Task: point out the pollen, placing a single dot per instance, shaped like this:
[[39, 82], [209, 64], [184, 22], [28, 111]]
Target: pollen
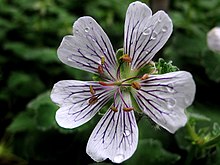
[[93, 100], [128, 109], [114, 109], [126, 58], [92, 91], [136, 85]]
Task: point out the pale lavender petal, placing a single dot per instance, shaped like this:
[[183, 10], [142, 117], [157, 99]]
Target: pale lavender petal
[[144, 34], [165, 97], [115, 136], [87, 48], [74, 98]]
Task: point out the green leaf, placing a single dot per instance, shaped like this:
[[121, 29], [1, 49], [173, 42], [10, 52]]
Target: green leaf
[[41, 54], [22, 122], [45, 111], [23, 84], [211, 61], [151, 152], [196, 116]]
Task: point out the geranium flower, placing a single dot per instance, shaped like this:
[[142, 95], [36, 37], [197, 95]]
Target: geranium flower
[[162, 97]]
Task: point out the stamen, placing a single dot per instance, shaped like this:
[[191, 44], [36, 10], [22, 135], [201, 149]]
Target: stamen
[[128, 109], [106, 84], [91, 90], [102, 60], [114, 109], [144, 77], [136, 85], [93, 100], [126, 58], [100, 69]]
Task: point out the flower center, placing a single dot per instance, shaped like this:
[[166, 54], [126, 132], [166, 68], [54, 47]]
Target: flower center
[[126, 80]]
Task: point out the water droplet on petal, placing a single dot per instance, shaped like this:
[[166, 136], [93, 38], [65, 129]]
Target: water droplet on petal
[[87, 29], [76, 31], [69, 59], [171, 103], [104, 50], [154, 36], [159, 19], [170, 88], [147, 31], [164, 29], [187, 101], [147, 52], [119, 158], [127, 132]]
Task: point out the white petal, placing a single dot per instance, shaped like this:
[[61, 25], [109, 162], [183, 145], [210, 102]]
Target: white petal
[[86, 48], [144, 34], [73, 98], [164, 98], [115, 136]]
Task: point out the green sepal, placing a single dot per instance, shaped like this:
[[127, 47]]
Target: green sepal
[[147, 69], [119, 53]]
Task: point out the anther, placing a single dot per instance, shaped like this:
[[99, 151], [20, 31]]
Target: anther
[[100, 69], [102, 60], [91, 90], [128, 109], [114, 109], [136, 85], [126, 58], [144, 77], [93, 100]]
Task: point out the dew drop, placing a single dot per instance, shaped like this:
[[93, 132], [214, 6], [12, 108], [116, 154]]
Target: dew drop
[[87, 29], [147, 31], [187, 101], [170, 88], [171, 103], [164, 29], [76, 31], [69, 59], [147, 52], [127, 132], [119, 158], [154, 36], [104, 50], [159, 19]]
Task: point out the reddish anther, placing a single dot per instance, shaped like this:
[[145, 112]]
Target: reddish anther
[[100, 69], [93, 100], [114, 109], [128, 109], [144, 77], [136, 85], [126, 58]]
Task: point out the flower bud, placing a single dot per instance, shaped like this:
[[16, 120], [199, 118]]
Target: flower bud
[[213, 39]]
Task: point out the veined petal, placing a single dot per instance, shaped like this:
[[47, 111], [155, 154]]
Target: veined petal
[[77, 102], [88, 49], [164, 98], [144, 34], [115, 136]]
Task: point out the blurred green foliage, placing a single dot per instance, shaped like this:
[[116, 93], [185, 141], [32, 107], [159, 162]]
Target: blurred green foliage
[[30, 33]]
